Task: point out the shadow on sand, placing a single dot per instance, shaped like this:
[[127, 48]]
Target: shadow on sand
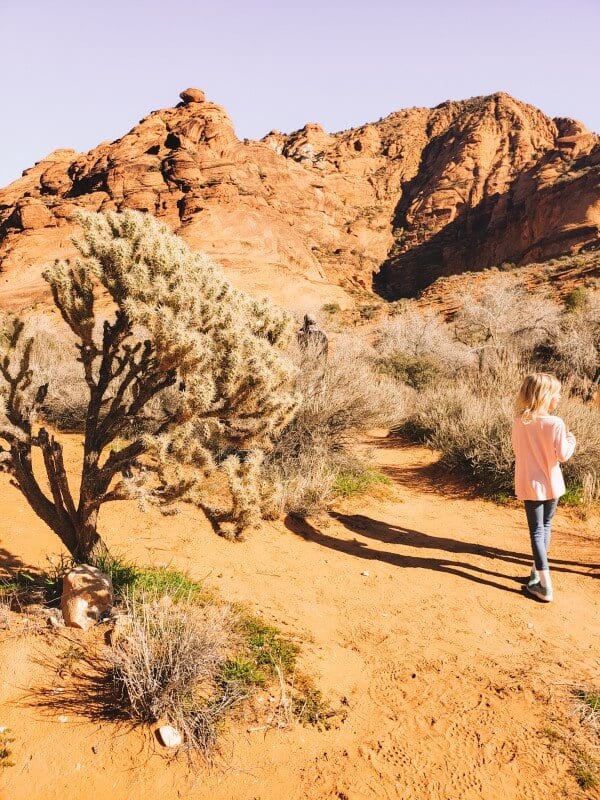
[[400, 535]]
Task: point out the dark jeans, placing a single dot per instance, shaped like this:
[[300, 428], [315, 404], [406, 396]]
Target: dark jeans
[[539, 518]]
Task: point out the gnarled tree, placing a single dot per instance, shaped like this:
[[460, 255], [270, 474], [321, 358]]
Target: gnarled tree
[[186, 376]]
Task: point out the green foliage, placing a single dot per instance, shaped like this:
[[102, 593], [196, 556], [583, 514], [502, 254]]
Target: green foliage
[[576, 299], [591, 699], [359, 481], [573, 496], [265, 645], [331, 308], [243, 671], [585, 770], [69, 657], [151, 582], [9, 587], [416, 371]]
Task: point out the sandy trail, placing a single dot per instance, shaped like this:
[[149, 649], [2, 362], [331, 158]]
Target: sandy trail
[[454, 680]]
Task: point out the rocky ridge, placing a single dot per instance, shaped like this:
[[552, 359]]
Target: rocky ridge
[[310, 216]]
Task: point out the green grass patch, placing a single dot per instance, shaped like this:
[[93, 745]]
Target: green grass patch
[[265, 646], [502, 498], [127, 578], [591, 699], [243, 672], [151, 581], [350, 483], [585, 770], [573, 496], [9, 588]]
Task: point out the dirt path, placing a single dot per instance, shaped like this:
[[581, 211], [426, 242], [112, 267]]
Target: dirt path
[[410, 608]]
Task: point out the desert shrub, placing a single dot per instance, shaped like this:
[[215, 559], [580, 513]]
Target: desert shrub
[[339, 397], [576, 349], [582, 471], [588, 706], [54, 362], [166, 664], [501, 321], [415, 371], [417, 345], [576, 298], [264, 645], [470, 423], [5, 752]]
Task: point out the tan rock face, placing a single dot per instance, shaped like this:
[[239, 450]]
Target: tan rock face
[[420, 194], [87, 594]]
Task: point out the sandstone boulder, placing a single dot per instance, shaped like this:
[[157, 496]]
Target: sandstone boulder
[[34, 215], [192, 95], [87, 594]]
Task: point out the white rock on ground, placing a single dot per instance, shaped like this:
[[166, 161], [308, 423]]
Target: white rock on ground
[[169, 736]]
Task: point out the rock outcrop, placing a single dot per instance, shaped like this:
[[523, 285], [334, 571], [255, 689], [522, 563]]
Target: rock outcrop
[[87, 594], [422, 193]]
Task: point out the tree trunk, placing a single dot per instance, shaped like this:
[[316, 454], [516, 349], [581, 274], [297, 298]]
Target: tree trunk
[[90, 544]]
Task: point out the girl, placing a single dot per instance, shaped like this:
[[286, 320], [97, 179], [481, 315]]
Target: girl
[[540, 442]]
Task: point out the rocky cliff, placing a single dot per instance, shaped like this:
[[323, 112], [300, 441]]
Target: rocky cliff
[[306, 217]]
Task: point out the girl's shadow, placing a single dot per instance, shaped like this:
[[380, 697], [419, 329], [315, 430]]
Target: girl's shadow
[[396, 534]]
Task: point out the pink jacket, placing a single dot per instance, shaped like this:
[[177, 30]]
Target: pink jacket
[[539, 448]]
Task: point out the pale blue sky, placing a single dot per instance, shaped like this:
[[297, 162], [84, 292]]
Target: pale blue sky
[[77, 72]]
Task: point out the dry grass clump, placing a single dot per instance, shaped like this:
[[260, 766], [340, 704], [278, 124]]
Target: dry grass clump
[[582, 471], [339, 397], [166, 663], [587, 705]]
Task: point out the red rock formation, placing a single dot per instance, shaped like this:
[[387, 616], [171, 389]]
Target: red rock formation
[[420, 194]]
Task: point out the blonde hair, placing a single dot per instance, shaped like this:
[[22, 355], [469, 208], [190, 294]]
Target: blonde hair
[[535, 395]]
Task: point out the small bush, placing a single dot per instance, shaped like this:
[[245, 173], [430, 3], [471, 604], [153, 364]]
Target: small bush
[[588, 707], [368, 311], [585, 770], [415, 371], [576, 298], [54, 361], [266, 647], [242, 671], [471, 426], [311, 708], [419, 341], [350, 483], [166, 666], [331, 308], [340, 397]]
